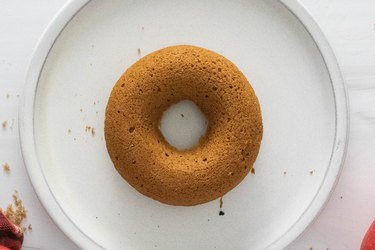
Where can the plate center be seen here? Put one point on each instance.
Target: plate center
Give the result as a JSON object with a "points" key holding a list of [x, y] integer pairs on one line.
{"points": [[183, 124]]}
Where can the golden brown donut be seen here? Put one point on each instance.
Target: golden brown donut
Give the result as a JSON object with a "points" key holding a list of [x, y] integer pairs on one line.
{"points": [[139, 151]]}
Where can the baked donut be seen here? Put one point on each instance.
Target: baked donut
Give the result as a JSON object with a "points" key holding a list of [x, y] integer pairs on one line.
{"points": [[225, 154]]}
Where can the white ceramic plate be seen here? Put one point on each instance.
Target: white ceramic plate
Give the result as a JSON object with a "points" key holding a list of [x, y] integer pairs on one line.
{"points": [[278, 47]]}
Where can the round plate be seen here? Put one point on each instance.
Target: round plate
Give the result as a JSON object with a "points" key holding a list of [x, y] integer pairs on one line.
{"points": [[279, 48]]}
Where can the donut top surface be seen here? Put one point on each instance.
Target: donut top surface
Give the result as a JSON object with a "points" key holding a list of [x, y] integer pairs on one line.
{"points": [[141, 154]]}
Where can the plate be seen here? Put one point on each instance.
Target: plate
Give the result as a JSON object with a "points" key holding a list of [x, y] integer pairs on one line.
{"points": [[279, 48]]}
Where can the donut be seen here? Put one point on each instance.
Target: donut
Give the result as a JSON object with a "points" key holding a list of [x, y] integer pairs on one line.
{"points": [[225, 154]]}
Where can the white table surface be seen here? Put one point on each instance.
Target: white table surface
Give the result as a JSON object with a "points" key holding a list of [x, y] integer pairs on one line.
{"points": [[350, 28]]}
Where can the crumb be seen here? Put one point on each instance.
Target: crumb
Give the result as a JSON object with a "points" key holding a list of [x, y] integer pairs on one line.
{"points": [[340, 197], [208, 219], [158, 226], [16, 212], [182, 115], [6, 167], [4, 124], [30, 227], [139, 52], [90, 64], [221, 202], [311, 248], [312, 172], [88, 129], [96, 217], [252, 170], [143, 28], [94, 103], [69, 131], [81, 109], [75, 139], [284, 172], [221, 213], [7, 96], [96, 112], [18, 95], [91, 130]]}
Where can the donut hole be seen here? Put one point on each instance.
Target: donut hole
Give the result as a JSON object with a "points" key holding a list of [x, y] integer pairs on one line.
{"points": [[183, 124]]}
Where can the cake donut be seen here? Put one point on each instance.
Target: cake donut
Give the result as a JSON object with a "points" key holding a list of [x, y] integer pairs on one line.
{"points": [[225, 154]]}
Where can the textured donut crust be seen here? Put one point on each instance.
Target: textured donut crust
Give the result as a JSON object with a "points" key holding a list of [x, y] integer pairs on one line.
{"points": [[140, 153]]}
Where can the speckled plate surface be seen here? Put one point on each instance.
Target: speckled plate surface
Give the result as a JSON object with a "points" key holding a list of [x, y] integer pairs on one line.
{"points": [[276, 45]]}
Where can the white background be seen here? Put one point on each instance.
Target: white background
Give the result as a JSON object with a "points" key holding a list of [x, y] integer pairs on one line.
{"points": [[350, 28]]}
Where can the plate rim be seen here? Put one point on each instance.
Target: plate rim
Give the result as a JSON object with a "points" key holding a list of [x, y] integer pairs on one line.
{"points": [[47, 198]]}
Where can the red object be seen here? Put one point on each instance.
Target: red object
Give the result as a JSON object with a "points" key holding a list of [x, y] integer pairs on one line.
{"points": [[368, 242], [11, 236]]}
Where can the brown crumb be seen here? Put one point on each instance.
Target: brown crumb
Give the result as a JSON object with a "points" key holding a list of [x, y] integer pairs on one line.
{"points": [[4, 124], [7, 96], [143, 28], [69, 131], [81, 109], [284, 172], [6, 167], [139, 51], [91, 130], [16, 212], [221, 202], [252, 170], [30, 227], [24, 229], [312, 172], [88, 128]]}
